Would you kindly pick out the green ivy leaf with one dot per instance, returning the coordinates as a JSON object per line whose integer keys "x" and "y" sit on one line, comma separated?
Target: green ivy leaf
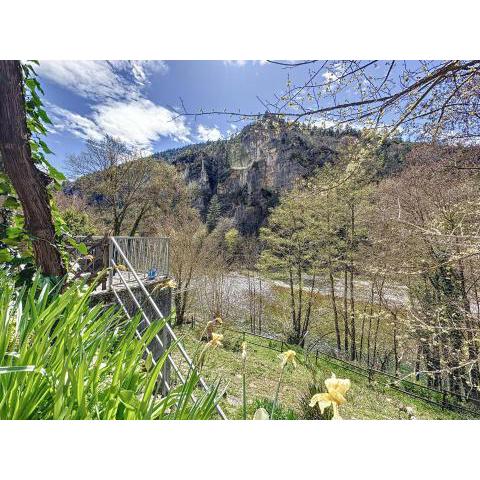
{"x": 54, "y": 173}
{"x": 11, "y": 202}
{"x": 43, "y": 115}
{"x": 44, "y": 146}
{"x": 5, "y": 255}
{"x": 80, "y": 246}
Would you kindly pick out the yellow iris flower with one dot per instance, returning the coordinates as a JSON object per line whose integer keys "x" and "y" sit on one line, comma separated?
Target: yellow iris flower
{"x": 244, "y": 350}
{"x": 288, "y": 357}
{"x": 261, "y": 414}
{"x": 335, "y": 395}
{"x": 216, "y": 340}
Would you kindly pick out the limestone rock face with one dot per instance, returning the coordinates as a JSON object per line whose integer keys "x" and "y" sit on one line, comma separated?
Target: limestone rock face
{"x": 251, "y": 170}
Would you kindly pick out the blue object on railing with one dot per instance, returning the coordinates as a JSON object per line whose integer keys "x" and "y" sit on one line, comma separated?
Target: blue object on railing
{"x": 152, "y": 274}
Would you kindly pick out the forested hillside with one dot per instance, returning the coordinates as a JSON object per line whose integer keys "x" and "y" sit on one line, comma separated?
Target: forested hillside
{"x": 243, "y": 177}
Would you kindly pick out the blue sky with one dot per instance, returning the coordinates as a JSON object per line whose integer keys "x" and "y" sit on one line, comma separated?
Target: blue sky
{"x": 135, "y": 100}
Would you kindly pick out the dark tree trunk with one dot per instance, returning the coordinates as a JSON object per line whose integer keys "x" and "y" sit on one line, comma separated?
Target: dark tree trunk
{"x": 395, "y": 345}
{"x": 353, "y": 352}
{"x": 334, "y": 306}
{"x": 136, "y": 224}
{"x": 353, "y": 345}
{"x": 362, "y": 336}
{"x": 260, "y": 306}
{"x": 417, "y": 361}
{"x": 308, "y": 313}
{"x": 293, "y": 313}
{"x": 345, "y": 308}
{"x": 26, "y": 179}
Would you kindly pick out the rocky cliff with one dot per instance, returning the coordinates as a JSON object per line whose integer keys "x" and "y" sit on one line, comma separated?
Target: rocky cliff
{"x": 250, "y": 171}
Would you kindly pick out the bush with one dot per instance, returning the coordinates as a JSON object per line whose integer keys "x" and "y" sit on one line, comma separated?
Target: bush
{"x": 279, "y": 414}
{"x": 232, "y": 343}
{"x": 317, "y": 385}
{"x": 313, "y": 413}
{"x": 61, "y": 359}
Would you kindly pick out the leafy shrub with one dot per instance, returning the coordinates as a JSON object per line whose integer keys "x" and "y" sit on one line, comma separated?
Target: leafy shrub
{"x": 313, "y": 413}
{"x": 279, "y": 414}
{"x": 233, "y": 344}
{"x": 61, "y": 359}
{"x": 316, "y": 385}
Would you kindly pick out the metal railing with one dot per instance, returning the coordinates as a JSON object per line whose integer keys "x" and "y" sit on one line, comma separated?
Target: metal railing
{"x": 148, "y": 256}
{"x": 162, "y": 341}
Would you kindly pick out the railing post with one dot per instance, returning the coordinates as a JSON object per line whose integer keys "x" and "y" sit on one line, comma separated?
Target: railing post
{"x": 105, "y": 258}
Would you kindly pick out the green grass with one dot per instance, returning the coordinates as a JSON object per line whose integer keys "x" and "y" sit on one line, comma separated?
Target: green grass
{"x": 364, "y": 400}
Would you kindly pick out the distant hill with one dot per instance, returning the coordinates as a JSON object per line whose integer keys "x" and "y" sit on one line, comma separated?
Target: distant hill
{"x": 250, "y": 171}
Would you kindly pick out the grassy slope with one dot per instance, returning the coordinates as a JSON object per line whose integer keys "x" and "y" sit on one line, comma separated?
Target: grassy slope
{"x": 365, "y": 401}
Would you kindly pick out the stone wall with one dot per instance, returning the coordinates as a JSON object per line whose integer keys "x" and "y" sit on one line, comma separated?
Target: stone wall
{"x": 163, "y": 299}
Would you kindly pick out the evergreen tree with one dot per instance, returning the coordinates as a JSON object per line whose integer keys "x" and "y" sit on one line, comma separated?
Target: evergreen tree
{"x": 214, "y": 213}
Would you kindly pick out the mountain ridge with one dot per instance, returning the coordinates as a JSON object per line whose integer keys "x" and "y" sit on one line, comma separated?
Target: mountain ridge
{"x": 249, "y": 171}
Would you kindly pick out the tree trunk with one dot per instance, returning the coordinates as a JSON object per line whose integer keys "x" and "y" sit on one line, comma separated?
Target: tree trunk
{"x": 179, "y": 307}
{"x": 395, "y": 345}
{"x": 417, "y": 361}
{"x": 353, "y": 353}
{"x": 26, "y": 179}
{"x": 334, "y": 306}
{"x": 375, "y": 338}
{"x": 260, "y": 306}
{"x": 299, "y": 305}
{"x": 306, "y": 321}
{"x": 353, "y": 345}
{"x": 345, "y": 308}
{"x": 362, "y": 333}
{"x": 292, "y": 302}
{"x": 136, "y": 224}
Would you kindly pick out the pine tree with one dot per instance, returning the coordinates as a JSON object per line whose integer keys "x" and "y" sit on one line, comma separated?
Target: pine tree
{"x": 214, "y": 213}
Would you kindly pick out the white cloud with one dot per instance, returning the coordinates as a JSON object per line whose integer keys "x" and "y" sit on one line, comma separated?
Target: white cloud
{"x": 334, "y": 72}
{"x": 232, "y": 130}
{"x": 138, "y": 122}
{"x": 140, "y": 70}
{"x": 329, "y": 76}
{"x": 91, "y": 79}
{"x": 242, "y": 63}
{"x": 96, "y": 79}
{"x": 113, "y": 90}
{"x": 327, "y": 123}
{"x": 206, "y": 134}
{"x": 65, "y": 120}
{"x": 235, "y": 63}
